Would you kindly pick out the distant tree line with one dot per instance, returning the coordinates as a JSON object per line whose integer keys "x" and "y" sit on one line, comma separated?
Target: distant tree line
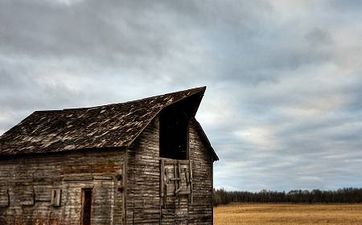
{"x": 345, "y": 195}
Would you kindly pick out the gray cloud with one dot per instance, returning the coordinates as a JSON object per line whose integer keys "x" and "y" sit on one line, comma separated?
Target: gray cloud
{"x": 282, "y": 107}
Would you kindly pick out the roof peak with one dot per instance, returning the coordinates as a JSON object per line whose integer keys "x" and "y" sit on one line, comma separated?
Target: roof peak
{"x": 193, "y": 90}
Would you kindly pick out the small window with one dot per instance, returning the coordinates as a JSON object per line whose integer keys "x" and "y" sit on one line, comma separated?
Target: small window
{"x": 86, "y": 206}
{"x": 56, "y": 197}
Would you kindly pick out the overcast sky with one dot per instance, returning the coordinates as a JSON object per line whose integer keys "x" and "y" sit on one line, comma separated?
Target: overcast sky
{"x": 283, "y": 103}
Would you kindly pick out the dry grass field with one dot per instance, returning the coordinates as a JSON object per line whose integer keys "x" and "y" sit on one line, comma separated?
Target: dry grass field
{"x": 291, "y": 214}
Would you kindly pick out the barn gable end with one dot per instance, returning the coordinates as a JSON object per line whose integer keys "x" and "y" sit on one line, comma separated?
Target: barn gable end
{"x": 167, "y": 189}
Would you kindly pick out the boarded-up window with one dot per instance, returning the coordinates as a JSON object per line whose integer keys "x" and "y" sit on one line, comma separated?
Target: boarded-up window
{"x": 42, "y": 193}
{"x": 4, "y": 197}
{"x": 25, "y": 194}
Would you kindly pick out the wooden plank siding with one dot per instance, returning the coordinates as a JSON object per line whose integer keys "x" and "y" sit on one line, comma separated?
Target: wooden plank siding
{"x": 32, "y": 178}
{"x": 201, "y": 210}
{"x": 134, "y": 198}
{"x": 143, "y": 178}
{"x": 143, "y": 199}
{"x": 102, "y": 166}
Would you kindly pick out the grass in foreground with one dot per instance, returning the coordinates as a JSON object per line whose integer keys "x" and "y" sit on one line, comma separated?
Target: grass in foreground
{"x": 291, "y": 214}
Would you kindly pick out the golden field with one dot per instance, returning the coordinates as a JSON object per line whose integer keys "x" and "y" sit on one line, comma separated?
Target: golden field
{"x": 291, "y": 214}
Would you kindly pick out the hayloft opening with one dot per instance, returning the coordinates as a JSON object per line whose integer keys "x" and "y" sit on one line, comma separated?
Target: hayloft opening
{"x": 173, "y": 136}
{"x": 174, "y": 126}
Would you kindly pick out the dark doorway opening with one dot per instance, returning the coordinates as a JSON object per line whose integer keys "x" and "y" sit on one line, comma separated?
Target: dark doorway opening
{"x": 86, "y": 206}
{"x": 173, "y": 135}
{"x": 174, "y": 126}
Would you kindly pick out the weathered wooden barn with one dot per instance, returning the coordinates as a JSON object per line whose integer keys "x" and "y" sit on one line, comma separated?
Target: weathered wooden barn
{"x": 141, "y": 162}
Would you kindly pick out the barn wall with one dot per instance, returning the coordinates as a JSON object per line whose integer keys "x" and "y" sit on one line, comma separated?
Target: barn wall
{"x": 143, "y": 178}
{"x": 200, "y": 211}
{"x": 29, "y": 182}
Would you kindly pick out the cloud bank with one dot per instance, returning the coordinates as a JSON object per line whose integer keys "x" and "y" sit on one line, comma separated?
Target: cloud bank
{"x": 282, "y": 108}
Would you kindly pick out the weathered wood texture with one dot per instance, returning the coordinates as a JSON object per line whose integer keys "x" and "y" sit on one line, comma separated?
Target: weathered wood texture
{"x": 200, "y": 211}
{"x": 143, "y": 178}
{"x": 177, "y": 195}
{"x": 29, "y": 182}
{"x": 143, "y": 200}
{"x": 46, "y": 162}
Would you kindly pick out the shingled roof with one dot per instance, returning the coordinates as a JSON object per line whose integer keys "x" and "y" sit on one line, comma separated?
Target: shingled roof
{"x": 107, "y": 126}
